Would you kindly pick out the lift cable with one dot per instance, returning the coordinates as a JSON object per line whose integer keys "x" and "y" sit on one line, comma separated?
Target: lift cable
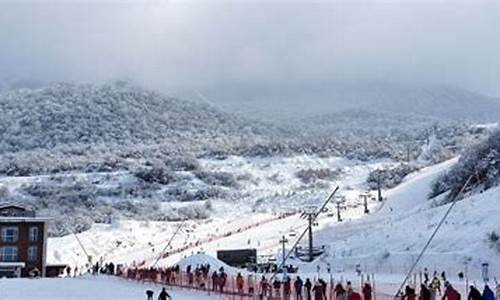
{"x": 169, "y": 242}
{"x": 433, "y": 235}
{"x": 315, "y": 216}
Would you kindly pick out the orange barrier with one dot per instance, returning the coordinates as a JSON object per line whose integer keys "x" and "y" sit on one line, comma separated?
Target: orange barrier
{"x": 244, "y": 287}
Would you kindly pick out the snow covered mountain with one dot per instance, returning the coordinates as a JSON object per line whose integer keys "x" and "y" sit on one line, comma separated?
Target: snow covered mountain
{"x": 292, "y": 101}
{"x": 67, "y": 114}
{"x": 106, "y": 152}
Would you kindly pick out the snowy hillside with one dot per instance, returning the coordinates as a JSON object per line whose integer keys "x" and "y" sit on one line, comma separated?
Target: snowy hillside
{"x": 264, "y": 189}
{"x": 480, "y": 163}
{"x": 385, "y": 242}
{"x": 391, "y": 239}
{"x": 66, "y": 114}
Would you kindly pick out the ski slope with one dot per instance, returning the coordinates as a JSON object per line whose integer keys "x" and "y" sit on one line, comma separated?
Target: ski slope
{"x": 269, "y": 189}
{"x": 384, "y": 242}
{"x": 390, "y": 240}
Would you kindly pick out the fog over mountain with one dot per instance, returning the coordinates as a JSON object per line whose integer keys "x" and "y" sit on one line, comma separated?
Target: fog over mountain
{"x": 382, "y": 55}
{"x": 294, "y": 101}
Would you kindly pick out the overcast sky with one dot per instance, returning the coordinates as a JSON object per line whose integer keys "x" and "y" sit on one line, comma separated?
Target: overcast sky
{"x": 179, "y": 45}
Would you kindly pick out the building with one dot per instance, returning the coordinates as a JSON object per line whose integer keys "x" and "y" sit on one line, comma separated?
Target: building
{"x": 23, "y": 242}
{"x": 238, "y": 257}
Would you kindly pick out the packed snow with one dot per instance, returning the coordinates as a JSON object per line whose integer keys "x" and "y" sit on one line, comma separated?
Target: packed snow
{"x": 86, "y": 287}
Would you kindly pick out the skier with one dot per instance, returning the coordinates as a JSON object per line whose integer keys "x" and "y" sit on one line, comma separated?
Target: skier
{"x": 323, "y": 286}
{"x": 488, "y": 293}
{"x": 432, "y": 293}
{"x": 298, "y": 288}
{"x": 250, "y": 282}
{"x": 352, "y": 295}
{"x": 367, "y": 291}
{"x": 426, "y": 276}
{"x": 263, "y": 288}
{"x": 215, "y": 281}
{"x": 450, "y": 293}
{"x": 222, "y": 280}
{"x": 318, "y": 291}
{"x": 340, "y": 292}
{"x": 276, "y": 287}
{"x": 163, "y": 295}
{"x": 474, "y": 294}
{"x": 409, "y": 293}
{"x": 443, "y": 275}
{"x": 239, "y": 283}
{"x": 68, "y": 271}
{"x": 436, "y": 285}
{"x": 308, "y": 286}
{"x": 287, "y": 287}
{"x": 425, "y": 293}
{"x": 149, "y": 294}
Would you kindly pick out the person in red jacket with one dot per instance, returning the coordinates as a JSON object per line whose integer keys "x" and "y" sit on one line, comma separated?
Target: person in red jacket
{"x": 450, "y": 293}
{"x": 240, "y": 283}
{"x": 352, "y": 295}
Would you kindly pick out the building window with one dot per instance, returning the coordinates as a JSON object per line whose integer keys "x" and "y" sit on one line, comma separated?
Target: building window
{"x": 32, "y": 253}
{"x": 10, "y": 234}
{"x": 33, "y": 234}
{"x": 8, "y": 254}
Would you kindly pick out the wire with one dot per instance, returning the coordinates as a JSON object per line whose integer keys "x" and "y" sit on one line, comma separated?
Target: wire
{"x": 79, "y": 242}
{"x": 432, "y": 236}
{"x": 304, "y": 232}
{"x": 169, "y": 242}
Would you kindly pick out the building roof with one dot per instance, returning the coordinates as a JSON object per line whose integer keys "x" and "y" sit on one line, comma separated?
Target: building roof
{"x": 14, "y": 205}
{"x": 22, "y": 219}
{"x": 12, "y": 264}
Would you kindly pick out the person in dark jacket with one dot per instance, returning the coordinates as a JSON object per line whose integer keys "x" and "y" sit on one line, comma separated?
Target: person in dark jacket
{"x": 308, "y": 286}
{"x": 149, "y": 294}
{"x": 163, "y": 295}
{"x": 318, "y": 291}
{"x": 367, "y": 291}
{"x": 277, "y": 287}
{"x": 298, "y": 288}
{"x": 215, "y": 281}
{"x": 474, "y": 294}
{"x": 488, "y": 293}
{"x": 323, "y": 286}
{"x": 425, "y": 293}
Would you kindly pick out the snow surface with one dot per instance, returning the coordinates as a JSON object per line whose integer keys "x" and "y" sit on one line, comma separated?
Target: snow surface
{"x": 85, "y": 288}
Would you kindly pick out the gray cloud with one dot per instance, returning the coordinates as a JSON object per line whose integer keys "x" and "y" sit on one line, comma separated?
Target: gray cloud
{"x": 179, "y": 45}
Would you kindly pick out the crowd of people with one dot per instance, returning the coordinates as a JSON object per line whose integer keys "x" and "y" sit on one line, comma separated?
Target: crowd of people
{"x": 430, "y": 289}
{"x": 261, "y": 287}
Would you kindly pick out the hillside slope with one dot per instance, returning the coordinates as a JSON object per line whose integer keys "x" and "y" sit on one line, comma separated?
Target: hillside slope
{"x": 389, "y": 240}
{"x": 65, "y": 114}
{"x": 285, "y": 102}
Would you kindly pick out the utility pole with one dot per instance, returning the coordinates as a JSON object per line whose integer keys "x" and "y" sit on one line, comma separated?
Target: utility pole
{"x": 310, "y": 215}
{"x": 339, "y": 203}
{"x": 365, "y": 197}
{"x": 283, "y": 241}
{"x": 379, "y": 188}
